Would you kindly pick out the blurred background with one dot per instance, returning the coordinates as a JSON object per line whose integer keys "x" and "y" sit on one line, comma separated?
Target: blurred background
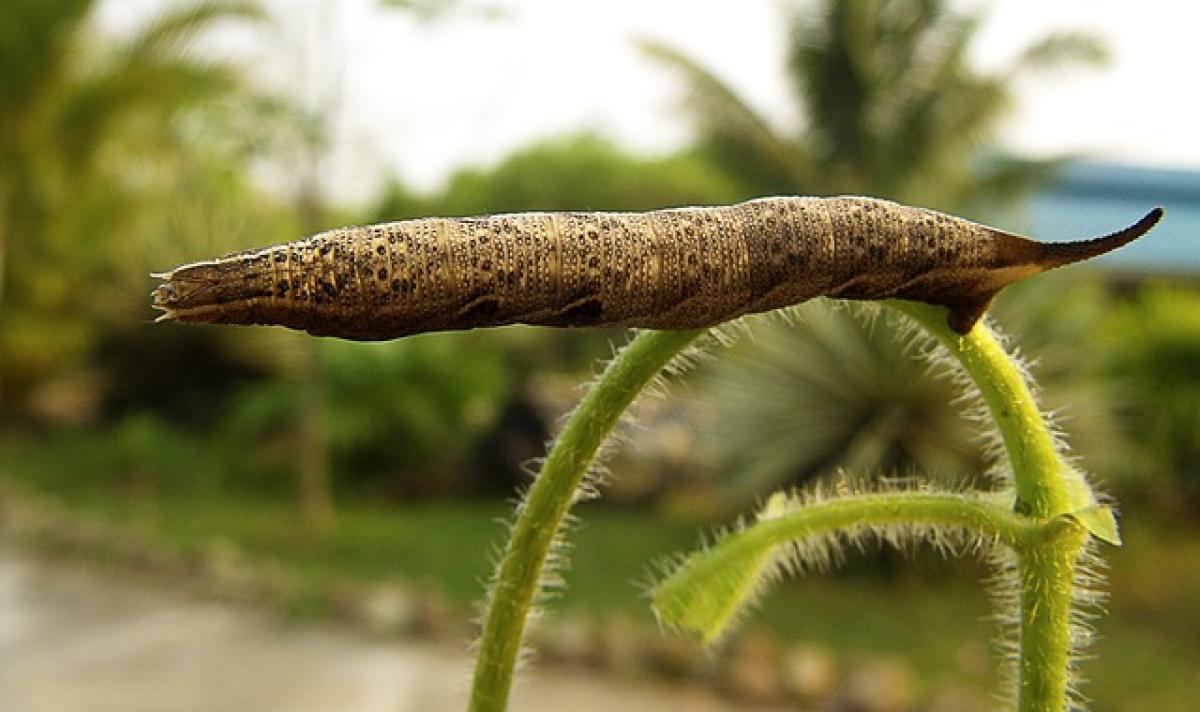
{"x": 200, "y": 518}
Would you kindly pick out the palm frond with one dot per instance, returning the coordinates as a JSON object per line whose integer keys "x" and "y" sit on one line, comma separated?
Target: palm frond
{"x": 829, "y": 59}
{"x": 34, "y": 47}
{"x": 834, "y": 390}
{"x": 1062, "y": 50}
{"x": 150, "y": 73}
{"x": 172, "y": 31}
{"x": 731, "y": 127}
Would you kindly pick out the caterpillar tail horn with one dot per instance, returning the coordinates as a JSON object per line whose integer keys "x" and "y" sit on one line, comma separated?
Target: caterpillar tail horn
{"x": 1023, "y": 257}
{"x": 1057, "y": 254}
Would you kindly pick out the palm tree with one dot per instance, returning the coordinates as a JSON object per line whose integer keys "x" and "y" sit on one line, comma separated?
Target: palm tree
{"x": 895, "y": 107}
{"x": 891, "y": 107}
{"x": 86, "y": 125}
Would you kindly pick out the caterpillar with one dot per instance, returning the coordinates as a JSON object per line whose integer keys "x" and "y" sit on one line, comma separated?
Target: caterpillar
{"x": 678, "y": 268}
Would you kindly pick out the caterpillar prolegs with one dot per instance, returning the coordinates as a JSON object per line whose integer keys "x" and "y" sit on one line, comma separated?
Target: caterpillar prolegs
{"x": 680, "y": 268}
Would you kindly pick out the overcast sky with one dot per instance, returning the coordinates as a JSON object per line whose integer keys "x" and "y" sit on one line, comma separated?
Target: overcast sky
{"x": 421, "y": 99}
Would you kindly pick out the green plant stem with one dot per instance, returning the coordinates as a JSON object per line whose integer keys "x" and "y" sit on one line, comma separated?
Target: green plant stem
{"x": 1047, "y": 488}
{"x": 1047, "y": 575}
{"x": 955, "y": 510}
{"x": 540, "y": 516}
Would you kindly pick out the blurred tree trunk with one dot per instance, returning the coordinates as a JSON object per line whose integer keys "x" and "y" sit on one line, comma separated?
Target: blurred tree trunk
{"x": 3, "y": 268}
{"x": 321, "y": 54}
{"x": 312, "y": 451}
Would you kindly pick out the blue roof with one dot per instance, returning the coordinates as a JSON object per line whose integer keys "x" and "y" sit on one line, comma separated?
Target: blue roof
{"x": 1093, "y": 199}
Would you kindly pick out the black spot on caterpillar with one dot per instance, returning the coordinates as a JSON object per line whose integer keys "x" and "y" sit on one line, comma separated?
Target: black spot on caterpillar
{"x": 667, "y": 269}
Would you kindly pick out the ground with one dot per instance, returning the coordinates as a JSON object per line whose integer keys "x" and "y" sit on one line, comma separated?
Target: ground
{"x": 74, "y": 639}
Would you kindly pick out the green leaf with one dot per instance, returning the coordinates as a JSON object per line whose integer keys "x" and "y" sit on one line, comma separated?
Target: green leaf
{"x": 706, "y": 593}
{"x": 1100, "y": 522}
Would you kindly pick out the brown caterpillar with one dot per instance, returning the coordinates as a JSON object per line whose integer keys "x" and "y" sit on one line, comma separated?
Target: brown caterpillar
{"x": 667, "y": 269}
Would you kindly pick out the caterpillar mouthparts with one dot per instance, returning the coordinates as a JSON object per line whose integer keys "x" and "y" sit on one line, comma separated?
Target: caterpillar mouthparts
{"x": 680, "y": 268}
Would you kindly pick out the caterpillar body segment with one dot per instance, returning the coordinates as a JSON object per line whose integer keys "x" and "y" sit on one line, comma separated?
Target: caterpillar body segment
{"x": 680, "y": 268}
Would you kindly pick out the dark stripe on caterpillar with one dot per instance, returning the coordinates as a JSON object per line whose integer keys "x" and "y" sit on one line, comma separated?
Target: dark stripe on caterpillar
{"x": 667, "y": 269}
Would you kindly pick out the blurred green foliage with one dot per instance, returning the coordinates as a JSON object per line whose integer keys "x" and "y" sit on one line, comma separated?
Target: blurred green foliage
{"x": 390, "y": 410}
{"x": 91, "y": 140}
{"x": 582, "y": 172}
{"x": 1153, "y": 357}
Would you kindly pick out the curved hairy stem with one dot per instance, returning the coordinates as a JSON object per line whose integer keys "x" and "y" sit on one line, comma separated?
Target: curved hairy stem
{"x": 1045, "y": 485}
{"x": 709, "y": 588}
{"x": 540, "y": 516}
{"x": 972, "y": 512}
{"x": 1047, "y": 489}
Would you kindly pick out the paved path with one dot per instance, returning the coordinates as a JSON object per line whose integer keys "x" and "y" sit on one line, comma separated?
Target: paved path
{"x": 76, "y": 640}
